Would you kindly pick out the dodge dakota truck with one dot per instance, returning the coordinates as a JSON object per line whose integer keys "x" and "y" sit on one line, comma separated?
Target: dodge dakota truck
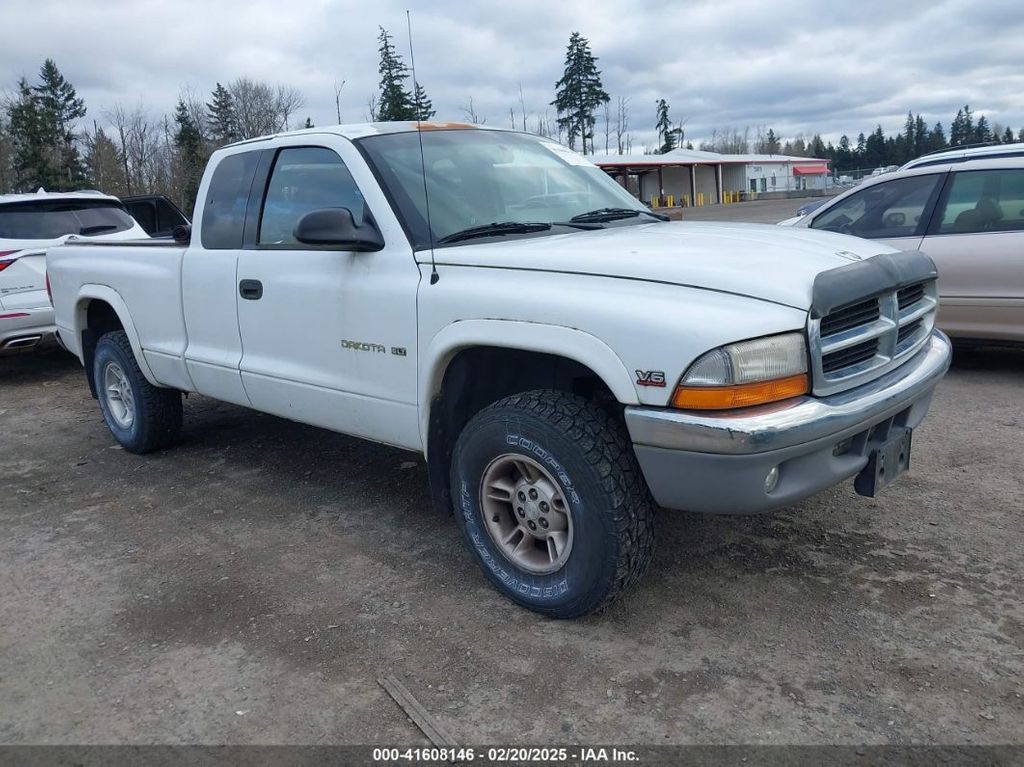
{"x": 566, "y": 360}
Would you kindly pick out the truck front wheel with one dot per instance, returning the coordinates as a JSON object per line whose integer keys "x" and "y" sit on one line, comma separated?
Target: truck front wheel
{"x": 142, "y": 417}
{"x": 552, "y": 503}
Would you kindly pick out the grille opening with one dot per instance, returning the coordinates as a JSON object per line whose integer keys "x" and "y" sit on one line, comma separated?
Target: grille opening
{"x": 851, "y": 316}
{"x": 907, "y": 331}
{"x": 852, "y": 355}
{"x": 909, "y": 295}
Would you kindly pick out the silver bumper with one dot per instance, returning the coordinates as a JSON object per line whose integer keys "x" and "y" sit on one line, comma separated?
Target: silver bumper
{"x": 718, "y": 461}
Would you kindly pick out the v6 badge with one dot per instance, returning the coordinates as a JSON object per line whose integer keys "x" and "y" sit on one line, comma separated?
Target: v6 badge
{"x": 650, "y": 378}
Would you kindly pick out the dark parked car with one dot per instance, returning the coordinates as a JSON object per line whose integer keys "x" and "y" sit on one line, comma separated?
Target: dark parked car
{"x": 155, "y": 213}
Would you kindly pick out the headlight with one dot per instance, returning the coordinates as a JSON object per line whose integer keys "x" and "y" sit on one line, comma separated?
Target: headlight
{"x": 744, "y": 374}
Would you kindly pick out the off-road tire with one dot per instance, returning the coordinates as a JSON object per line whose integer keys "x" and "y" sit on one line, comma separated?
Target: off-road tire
{"x": 590, "y": 456}
{"x": 158, "y": 411}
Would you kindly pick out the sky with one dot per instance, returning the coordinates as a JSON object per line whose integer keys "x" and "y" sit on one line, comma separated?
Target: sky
{"x": 794, "y": 66}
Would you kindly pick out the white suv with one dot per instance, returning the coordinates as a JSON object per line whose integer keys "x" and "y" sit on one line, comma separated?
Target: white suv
{"x": 29, "y": 223}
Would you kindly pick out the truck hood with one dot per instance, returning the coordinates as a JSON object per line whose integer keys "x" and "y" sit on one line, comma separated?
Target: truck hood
{"x": 766, "y": 262}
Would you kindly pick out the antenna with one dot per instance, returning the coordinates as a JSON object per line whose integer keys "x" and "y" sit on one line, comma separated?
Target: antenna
{"x": 434, "y": 277}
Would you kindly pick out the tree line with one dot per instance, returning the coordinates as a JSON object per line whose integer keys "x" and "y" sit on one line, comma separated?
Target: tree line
{"x": 45, "y": 142}
{"x": 874, "y": 149}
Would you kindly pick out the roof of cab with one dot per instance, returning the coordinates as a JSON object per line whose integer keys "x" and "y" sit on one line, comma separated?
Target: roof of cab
{"x": 361, "y": 130}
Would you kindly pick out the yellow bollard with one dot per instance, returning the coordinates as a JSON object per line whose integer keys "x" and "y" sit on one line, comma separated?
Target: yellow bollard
{"x": 700, "y": 199}
{"x": 655, "y": 201}
{"x": 686, "y": 201}
{"x": 670, "y": 200}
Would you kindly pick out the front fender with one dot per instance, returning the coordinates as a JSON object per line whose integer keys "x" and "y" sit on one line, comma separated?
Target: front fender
{"x": 526, "y": 336}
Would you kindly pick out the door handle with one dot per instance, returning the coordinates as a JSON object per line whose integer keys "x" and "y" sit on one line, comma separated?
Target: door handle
{"x": 251, "y": 290}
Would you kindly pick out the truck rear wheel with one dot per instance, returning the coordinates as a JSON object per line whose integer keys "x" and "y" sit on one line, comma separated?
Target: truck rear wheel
{"x": 142, "y": 417}
{"x": 552, "y": 503}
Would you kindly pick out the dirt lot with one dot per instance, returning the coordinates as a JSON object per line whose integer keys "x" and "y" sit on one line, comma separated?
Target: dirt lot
{"x": 250, "y": 586}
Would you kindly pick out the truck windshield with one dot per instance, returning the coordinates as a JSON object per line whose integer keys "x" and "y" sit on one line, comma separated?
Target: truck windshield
{"x": 54, "y": 218}
{"x": 479, "y": 177}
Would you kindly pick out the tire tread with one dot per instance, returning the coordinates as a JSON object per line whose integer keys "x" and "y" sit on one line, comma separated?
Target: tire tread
{"x": 605, "y": 445}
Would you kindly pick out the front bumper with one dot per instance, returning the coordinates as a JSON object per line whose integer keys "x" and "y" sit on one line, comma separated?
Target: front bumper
{"x": 718, "y": 462}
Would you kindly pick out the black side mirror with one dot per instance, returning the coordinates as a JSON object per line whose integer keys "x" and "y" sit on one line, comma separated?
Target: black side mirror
{"x": 337, "y": 227}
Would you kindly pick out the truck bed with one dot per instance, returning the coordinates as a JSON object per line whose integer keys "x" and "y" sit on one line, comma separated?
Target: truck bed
{"x": 128, "y": 273}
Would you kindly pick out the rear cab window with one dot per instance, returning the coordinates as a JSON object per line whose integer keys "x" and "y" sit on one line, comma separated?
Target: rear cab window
{"x": 226, "y": 200}
{"x": 51, "y": 219}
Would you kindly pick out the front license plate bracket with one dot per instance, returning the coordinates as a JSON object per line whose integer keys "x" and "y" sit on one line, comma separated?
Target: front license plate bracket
{"x": 885, "y": 463}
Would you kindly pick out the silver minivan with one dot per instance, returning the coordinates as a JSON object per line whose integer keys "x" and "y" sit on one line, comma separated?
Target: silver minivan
{"x": 966, "y": 211}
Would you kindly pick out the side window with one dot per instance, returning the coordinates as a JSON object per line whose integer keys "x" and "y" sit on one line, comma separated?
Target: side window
{"x": 894, "y": 208}
{"x": 984, "y": 201}
{"x": 224, "y": 213}
{"x": 305, "y": 179}
{"x": 169, "y": 216}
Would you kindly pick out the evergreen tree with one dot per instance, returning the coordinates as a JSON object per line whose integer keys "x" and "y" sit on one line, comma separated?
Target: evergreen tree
{"x": 32, "y": 158}
{"x": 920, "y": 136}
{"x": 770, "y": 144}
{"x": 42, "y": 131}
{"x": 579, "y": 92}
{"x": 982, "y": 132}
{"x": 103, "y": 161}
{"x": 1008, "y": 135}
{"x": 667, "y": 135}
{"x": 423, "y": 106}
{"x": 874, "y": 148}
{"x": 61, "y": 108}
{"x": 396, "y": 103}
{"x": 962, "y": 130}
{"x": 221, "y": 117}
{"x": 909, "y": 133}
{"x": 189, "y": 142}
{"x": 936, "y": 139}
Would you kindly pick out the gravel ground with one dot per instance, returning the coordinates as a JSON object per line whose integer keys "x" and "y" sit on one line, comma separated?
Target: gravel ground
{"x": 755, "y": 212}
{"x": 251, "y": 585}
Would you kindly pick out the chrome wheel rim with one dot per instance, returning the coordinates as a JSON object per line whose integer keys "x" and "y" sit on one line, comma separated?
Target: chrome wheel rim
{"x": 525, "y": 514}
{"x": 120, "y": 399}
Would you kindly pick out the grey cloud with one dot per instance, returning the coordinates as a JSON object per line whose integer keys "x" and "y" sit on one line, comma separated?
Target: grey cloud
{"x": 799, "y": 66}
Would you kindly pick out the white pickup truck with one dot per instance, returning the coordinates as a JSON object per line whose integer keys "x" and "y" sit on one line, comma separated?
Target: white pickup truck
{"x": 566, "y": 360}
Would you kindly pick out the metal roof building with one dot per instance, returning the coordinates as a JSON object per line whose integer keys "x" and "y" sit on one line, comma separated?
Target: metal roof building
{"x": 694, "y": 177}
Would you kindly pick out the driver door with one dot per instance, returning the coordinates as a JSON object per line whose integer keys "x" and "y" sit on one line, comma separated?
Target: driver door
{"x": 328, "y": 336}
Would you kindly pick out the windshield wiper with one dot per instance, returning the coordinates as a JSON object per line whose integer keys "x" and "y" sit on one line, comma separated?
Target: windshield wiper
{"x": 614, "y": 214}
{"x": 97, "y": 229}
{"x": 497, "y": 228}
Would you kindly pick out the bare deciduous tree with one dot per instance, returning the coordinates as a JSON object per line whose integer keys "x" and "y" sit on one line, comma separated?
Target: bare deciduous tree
{"x": 337, "y": 98}
{"x": 470, "y": 113}
{"x": 623, "y": 141}
{"x": 262, "y": 109}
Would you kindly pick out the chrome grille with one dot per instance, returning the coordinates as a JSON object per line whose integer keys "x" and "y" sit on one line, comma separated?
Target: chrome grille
{"x": 850, "y": 317}
{"x": 862, "y": 340}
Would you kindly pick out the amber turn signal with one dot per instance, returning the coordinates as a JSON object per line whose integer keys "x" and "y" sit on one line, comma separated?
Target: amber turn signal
{"x": 740, "y": 395}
